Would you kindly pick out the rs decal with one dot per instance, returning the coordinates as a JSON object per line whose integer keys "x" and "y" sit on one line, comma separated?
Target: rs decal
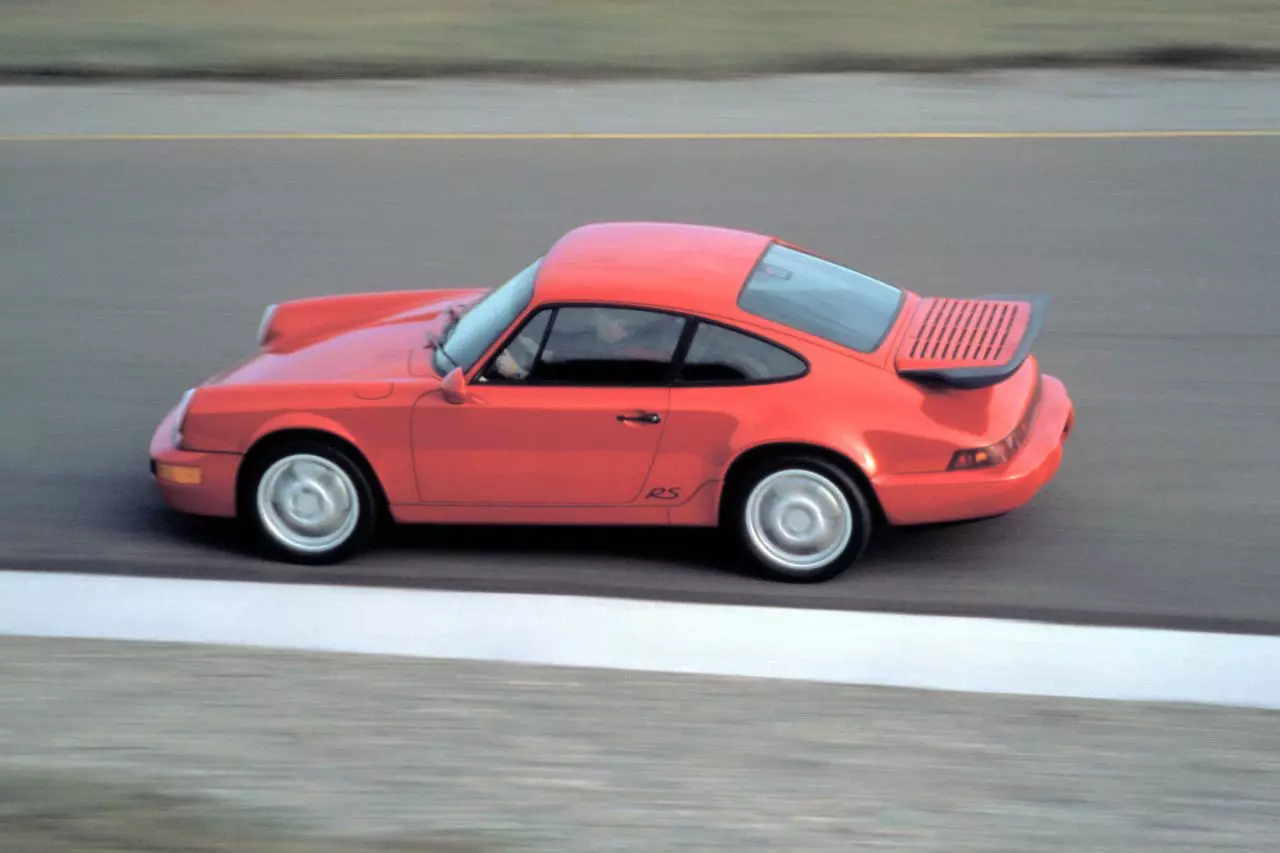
{"x": 664, "y": 494}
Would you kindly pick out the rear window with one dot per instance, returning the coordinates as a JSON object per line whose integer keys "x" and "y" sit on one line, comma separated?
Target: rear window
{"x": 823, "y": 299}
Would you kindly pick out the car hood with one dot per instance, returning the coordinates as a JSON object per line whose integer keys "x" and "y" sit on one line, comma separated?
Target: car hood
{"x": 379, "y": 347}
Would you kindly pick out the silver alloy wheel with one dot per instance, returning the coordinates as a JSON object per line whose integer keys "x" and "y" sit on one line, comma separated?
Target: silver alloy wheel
{"x": 798, "y": 519}
{"x": 307, "y": 503}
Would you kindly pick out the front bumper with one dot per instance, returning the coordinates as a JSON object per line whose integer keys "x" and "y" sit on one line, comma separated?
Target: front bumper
{"x": 192, "y": 481}
{"x": 961, "y": 495}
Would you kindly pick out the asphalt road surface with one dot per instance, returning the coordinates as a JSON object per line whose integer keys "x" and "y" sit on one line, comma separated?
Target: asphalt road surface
{"x": 131, "y": 270}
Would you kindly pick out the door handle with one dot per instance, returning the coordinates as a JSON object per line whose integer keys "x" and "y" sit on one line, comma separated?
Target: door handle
{"x": 644, "y": 418}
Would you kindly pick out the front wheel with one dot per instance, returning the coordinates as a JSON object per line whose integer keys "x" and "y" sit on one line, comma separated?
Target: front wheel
{"x": 308, "y": 502}
{"x": 800, "y": 519}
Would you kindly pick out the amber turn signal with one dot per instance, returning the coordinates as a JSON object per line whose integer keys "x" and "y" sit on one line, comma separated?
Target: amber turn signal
{"x": 182, "y": 475}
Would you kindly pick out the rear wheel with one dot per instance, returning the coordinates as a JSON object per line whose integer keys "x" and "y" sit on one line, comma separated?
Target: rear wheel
{"x": 799, "y": 519}
{"x": 308, "y": 502}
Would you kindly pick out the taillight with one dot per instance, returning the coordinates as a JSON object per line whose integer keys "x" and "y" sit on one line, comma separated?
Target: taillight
{"x": 979, "y": 457}
{"x": 1003, "y": 450}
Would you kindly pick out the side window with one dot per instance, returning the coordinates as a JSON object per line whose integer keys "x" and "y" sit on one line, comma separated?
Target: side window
{"x": 515, "y": 362}
{"x": 722, "y": 356}
{"x": 608, "y": 346}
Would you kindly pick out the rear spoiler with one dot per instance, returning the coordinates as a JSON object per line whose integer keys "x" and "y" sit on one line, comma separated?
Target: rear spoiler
{"x": 970, "y": 343}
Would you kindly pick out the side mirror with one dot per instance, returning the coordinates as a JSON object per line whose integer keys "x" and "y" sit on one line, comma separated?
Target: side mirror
{"x": 454, "y": 386}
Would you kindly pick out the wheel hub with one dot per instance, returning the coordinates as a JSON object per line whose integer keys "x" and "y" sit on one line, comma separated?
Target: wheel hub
{"x": 798, "y": 522}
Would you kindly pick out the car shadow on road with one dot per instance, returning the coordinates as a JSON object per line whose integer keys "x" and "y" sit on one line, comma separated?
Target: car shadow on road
{"x": 592, "y": 551}
{"x": 410, "y": 552}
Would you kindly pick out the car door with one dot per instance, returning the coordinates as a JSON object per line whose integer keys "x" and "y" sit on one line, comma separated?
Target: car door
{"x": 577, "y": 422}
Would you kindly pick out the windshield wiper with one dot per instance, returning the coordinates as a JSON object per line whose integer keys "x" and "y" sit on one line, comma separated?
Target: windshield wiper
{"x": 438, "y": 341}
{"x": 444, "y": 352}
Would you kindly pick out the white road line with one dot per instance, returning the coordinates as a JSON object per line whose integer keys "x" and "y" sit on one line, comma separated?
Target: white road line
{"x": 931, "y": 652}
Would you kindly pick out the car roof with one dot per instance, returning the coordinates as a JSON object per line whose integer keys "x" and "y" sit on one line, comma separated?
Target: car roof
{"x": 681, "y": 267}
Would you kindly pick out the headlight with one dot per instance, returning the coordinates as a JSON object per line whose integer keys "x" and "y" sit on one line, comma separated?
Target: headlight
{"x": 175, "y": 437}
{"x": 265, "y": 324}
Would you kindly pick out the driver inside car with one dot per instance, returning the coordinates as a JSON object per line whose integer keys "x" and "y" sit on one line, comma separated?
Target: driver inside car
{"x": 603, "y": 335}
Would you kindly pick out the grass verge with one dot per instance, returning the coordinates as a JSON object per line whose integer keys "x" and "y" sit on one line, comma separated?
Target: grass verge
{"x": 319, "y": 39}
{"x": 47, "y": 812}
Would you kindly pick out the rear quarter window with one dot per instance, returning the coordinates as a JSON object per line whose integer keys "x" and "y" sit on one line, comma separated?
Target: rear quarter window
{"x": 720, "y": 356}
{"x": 822, "y": 298}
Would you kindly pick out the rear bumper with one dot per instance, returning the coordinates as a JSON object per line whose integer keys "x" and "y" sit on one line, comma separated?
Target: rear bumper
{"x": 960, "y": 495}
{"x": 193, "y": 481}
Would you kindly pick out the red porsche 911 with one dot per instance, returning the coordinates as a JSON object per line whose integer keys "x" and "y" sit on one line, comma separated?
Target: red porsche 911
{"x": 637, "y": 374}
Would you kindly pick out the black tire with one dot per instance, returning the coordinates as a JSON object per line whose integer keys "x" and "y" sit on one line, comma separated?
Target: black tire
{"x": 756, "y": 556}
{"x": 357, "y": 486}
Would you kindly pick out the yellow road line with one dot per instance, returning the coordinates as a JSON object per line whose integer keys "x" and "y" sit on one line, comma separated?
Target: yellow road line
{"x": 639, "y": 137}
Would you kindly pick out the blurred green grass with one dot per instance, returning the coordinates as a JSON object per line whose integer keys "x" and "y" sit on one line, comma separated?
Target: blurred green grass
{"x": 331, "y": 38}
{"x": 52, "y": 812}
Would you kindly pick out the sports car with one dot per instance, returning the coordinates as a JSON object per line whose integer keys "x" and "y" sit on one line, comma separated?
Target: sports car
{"x": 638, "y": 373}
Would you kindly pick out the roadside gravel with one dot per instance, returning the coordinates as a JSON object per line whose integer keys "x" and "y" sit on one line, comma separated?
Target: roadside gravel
{"x": 525, "y": 758}
{"x": 1009, "y": 101}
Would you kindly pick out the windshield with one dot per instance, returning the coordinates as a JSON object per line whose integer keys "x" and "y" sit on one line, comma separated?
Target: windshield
{"x": 475, "y": 331}
{"x": 824, "y": 299}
